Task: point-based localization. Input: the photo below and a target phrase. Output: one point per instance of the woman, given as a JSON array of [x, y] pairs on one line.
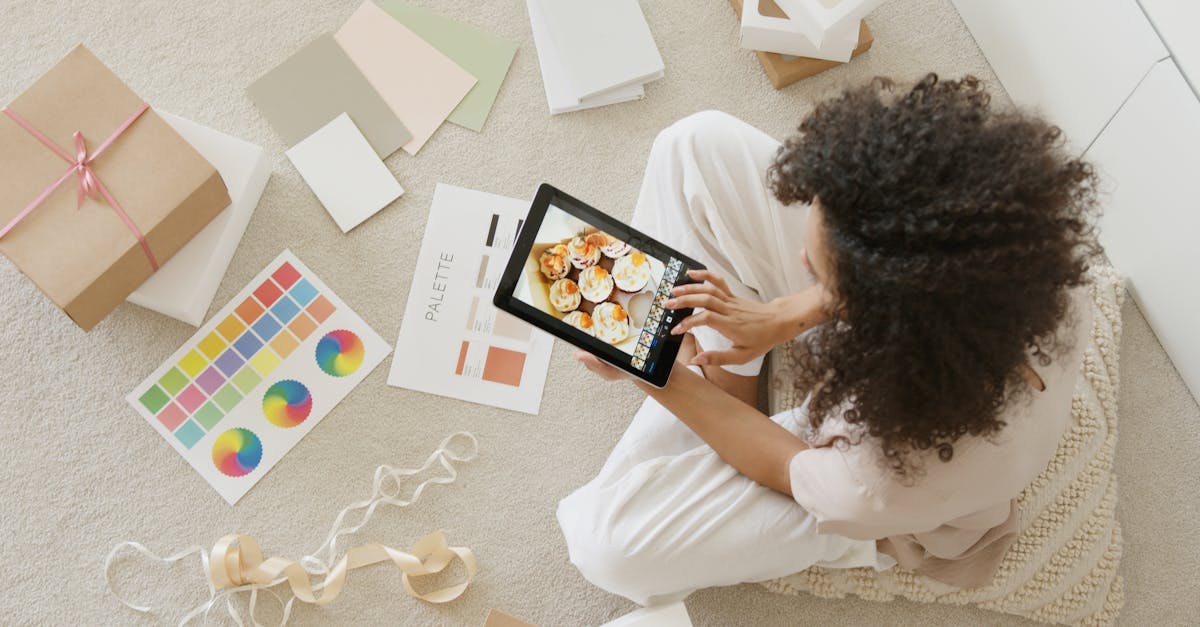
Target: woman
[[931, 252]]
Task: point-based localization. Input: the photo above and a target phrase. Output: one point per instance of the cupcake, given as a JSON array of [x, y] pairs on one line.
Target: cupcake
[[613, 247], [632, 272], [612, 323], [564, 295], [581, 321], [596, 284], [553, 262], [583, 253]]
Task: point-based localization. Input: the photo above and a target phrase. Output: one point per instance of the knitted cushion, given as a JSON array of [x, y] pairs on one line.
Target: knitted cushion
[[1063, 566]]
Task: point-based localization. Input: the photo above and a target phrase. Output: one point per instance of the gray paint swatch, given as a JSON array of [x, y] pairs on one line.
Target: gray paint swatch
[[314, 86]]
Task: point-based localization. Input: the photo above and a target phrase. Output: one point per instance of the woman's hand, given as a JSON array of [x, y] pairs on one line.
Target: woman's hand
[[606, 372], [753, 327]]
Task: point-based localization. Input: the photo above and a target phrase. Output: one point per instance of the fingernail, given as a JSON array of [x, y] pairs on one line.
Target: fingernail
[[676, 330], [671, 303]]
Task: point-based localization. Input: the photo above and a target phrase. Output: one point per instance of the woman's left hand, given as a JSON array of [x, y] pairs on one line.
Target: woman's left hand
[[606, 371]]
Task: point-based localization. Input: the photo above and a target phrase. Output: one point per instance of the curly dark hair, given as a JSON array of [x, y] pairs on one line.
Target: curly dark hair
[[955, 233]]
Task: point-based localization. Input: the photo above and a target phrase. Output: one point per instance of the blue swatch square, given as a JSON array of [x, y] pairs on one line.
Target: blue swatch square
[[285, 309], [189, 433], [303, 292], [229, 362], [266, 327], [247, 345]]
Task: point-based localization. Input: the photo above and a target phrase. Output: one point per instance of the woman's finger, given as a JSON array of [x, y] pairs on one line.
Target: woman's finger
[[696, 288], [706, 318], [705, 275], [734, 356], [605, 371], [699, 301]]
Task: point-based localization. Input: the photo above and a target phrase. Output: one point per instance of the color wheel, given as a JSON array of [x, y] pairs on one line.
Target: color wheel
[[287, 403], [339, 353], [237, 452]]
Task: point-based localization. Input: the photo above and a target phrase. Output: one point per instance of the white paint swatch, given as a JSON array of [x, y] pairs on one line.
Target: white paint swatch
[[344, 172]]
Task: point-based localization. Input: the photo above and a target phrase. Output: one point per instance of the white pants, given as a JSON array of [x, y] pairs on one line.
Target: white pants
[[666, 516]]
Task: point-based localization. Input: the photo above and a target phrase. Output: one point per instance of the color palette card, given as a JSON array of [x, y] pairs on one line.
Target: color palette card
[[486, 56], [345, 174], [419, 83], [255, 379], [317, 84], [453, 342]]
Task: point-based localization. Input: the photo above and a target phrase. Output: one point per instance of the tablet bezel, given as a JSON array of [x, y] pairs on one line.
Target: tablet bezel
[[505, 300]]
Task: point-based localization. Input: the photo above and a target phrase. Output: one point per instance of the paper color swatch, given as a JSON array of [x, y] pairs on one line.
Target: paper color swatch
[[317, 84], [347, 177], [421, 85], [185, 285], [254, 380], [452, 340], [486, 56], [561, 96]]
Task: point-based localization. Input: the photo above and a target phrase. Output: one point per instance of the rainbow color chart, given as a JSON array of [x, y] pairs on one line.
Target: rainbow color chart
[[254, 380]]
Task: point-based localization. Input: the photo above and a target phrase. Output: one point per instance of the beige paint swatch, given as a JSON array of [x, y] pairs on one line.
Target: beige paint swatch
[[420, 84], [314, 86]]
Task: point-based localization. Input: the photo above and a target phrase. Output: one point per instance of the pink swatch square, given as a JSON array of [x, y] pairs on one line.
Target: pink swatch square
[[171, 416], [191, 398]]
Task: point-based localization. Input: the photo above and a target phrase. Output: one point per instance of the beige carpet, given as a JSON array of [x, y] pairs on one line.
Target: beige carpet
[[83, 471]]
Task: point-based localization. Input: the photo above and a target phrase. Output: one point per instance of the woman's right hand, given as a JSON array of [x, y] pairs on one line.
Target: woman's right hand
[[754, 327]]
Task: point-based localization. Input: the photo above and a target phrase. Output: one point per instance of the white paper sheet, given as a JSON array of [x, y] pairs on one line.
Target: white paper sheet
[[602, 45], [285, 336], [560, 92], [185, 285], [452, 341], [344, 172], [673, 615]]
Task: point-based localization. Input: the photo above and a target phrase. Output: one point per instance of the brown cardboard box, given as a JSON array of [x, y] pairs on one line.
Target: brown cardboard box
[[85, 258], [784, 70]]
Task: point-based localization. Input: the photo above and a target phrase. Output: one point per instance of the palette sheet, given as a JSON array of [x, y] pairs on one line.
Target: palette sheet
[[453, 342], [254, 380]]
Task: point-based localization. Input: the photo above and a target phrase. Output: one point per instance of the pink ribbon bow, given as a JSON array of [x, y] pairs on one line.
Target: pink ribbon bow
[[90, 185]]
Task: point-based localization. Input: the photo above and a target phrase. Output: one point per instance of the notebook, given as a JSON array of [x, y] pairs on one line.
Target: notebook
[[602, 45], [560, 91]]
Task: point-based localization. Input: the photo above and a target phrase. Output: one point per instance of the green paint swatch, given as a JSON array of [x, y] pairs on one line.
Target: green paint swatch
[[227, 397], [173, 381], [154, 399], [208, 416], [486, 56]]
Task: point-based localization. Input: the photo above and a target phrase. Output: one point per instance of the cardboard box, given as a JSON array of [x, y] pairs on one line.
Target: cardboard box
[[784, 70], [84, 257], [767, 28], [828, 16]]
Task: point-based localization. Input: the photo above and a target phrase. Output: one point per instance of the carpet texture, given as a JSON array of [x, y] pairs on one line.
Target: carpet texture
[[85, 472]]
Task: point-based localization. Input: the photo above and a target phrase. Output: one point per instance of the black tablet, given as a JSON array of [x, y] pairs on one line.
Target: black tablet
[[596, 283]]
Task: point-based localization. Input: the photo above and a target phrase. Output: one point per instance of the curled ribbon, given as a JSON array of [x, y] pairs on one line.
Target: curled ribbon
[[90, 185], [236, 563]]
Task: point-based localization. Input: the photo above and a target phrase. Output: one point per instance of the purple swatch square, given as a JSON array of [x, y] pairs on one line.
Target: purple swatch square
[[210, 380], [229, 362], [191, 398]]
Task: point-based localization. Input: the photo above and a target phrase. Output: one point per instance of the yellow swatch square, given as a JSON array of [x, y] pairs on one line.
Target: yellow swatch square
[[231, 327], [192, 363], [212, 345], [264, 362], [284, 343]]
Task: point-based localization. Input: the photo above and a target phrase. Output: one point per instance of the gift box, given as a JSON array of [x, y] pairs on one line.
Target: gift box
[[783, 70], [96, 190], [767, 27]]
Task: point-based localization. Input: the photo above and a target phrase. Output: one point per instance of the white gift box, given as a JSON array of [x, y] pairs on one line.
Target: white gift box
[[766, 27], [827, 18]]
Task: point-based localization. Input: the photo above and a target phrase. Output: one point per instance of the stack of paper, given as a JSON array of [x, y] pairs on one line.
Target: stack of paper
[[593, 53]]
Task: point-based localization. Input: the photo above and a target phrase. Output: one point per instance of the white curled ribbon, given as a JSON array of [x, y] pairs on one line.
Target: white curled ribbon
[[236, 563]]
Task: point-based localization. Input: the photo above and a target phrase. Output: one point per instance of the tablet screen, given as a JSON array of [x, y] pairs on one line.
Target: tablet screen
[[599, 278]]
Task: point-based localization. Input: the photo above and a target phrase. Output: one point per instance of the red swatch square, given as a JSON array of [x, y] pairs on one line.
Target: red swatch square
[[268, 293], [286, 275], [171, 416]]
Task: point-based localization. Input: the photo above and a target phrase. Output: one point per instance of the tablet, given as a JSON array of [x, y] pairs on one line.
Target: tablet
[[596, 283]]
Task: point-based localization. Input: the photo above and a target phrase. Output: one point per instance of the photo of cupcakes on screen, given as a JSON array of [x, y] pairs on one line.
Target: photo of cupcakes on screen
[[554, 264], [596, 283], [613, 247], [611, 322], [642, 351], [583, 252], [581, 321], [564, 295], [631, 272]]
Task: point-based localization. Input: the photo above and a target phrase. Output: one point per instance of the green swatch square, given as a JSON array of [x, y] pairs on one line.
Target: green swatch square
[[227, 397], [173, 381], [154, 399], [208, 416], [246, 379]]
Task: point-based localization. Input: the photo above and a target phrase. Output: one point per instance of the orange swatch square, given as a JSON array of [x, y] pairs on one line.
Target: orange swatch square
[[320, 309], [249, 310], [284, 344], [302, 326], [231, 328], [503, 366]]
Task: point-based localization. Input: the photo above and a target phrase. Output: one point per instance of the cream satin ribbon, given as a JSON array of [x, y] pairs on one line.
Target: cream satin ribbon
[[236, 563]]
